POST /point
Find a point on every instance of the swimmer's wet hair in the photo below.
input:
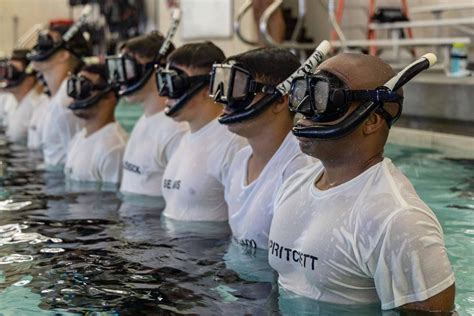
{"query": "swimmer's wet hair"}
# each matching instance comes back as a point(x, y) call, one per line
point(147, 45)
point(197, 55)
point(269, 65)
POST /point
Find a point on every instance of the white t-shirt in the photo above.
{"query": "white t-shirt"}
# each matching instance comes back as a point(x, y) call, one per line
point(150, 147)
point(368, 240)
point(251, 205)
point(7, 104)
point(36, 126)
point(193, 183)
point(98, 157)
point(60, 127)
point(19, 118)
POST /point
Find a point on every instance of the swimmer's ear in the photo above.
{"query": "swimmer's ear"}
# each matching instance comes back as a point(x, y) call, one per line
point(62, 56)
point(280, 105)
point(373, 124)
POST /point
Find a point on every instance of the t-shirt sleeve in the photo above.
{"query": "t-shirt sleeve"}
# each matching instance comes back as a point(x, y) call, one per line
point(410, 262)
point(111, 166)
point(170, 148)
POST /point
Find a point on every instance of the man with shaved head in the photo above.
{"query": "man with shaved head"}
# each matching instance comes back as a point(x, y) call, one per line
point(351, 229)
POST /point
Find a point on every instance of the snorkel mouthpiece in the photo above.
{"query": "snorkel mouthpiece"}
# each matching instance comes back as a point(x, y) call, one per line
point(365, 109)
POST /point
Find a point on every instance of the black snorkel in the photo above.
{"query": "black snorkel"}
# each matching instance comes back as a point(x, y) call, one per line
point(181, 102)
point(81, 104)
point(151, 66)
point(250, 111)
point(365, 109)
point(281, 90)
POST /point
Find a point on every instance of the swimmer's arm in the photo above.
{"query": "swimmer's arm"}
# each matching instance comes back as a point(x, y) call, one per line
point(441, 302)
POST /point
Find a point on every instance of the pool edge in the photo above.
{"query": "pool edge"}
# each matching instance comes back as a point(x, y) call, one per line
point(455, 146)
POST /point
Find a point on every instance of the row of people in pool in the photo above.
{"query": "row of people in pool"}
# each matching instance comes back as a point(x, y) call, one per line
point(340, 222)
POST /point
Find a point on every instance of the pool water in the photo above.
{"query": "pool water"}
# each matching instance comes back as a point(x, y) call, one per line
point(72, 251)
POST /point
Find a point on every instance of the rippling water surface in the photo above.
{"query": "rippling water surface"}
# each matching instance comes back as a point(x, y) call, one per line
point(68, 250)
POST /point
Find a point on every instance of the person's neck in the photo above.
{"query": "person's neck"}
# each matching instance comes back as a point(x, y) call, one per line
point(152, 104)
point(22, 90)
point(266, 142)
point(339, 171)
point(94, 124)
point(208, 111)
point(54, 78)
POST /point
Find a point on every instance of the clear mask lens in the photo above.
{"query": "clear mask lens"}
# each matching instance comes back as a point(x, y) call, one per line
point(220, 84)
point(122, 70)
point(4, 70)
point(320, 96)
point(240, 85)
point(298, 94)
point(130, 68)
point(165, 80)
point(81, 88)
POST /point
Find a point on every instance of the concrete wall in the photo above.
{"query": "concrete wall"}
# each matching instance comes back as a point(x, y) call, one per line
point(354, 22)
point(28, 12)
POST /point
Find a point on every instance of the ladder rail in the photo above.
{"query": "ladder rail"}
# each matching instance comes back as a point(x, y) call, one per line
point(421, 24)
point(299, 21)
point(243, 10)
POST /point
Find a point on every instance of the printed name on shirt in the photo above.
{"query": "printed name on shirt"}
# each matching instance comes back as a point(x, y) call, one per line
point(131, 167)
point(289, 254)
point(170, 184)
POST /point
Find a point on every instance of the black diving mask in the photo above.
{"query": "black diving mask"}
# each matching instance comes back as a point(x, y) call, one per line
point(10, 76)
point(313, 97)
point(84, 92)
point(234, 86)
point(175, 84)
point(45, 47)
point(124, 70)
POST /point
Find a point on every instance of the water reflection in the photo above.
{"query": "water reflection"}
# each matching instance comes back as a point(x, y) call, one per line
point(75, 248)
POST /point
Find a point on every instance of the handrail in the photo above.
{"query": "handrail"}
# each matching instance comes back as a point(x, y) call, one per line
point(442, 7)
point(422, 23)
point(238, 22)
point(299, 21)
point(263, 26)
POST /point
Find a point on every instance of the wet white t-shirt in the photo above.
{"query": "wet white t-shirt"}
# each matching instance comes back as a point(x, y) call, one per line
point(98, 157)
point(193, 183)
point(36, 126)
point(251, 205)
point(150, 147)
point(7, 104)
point(19, 118)
point(60, 127)
point(368, 240)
